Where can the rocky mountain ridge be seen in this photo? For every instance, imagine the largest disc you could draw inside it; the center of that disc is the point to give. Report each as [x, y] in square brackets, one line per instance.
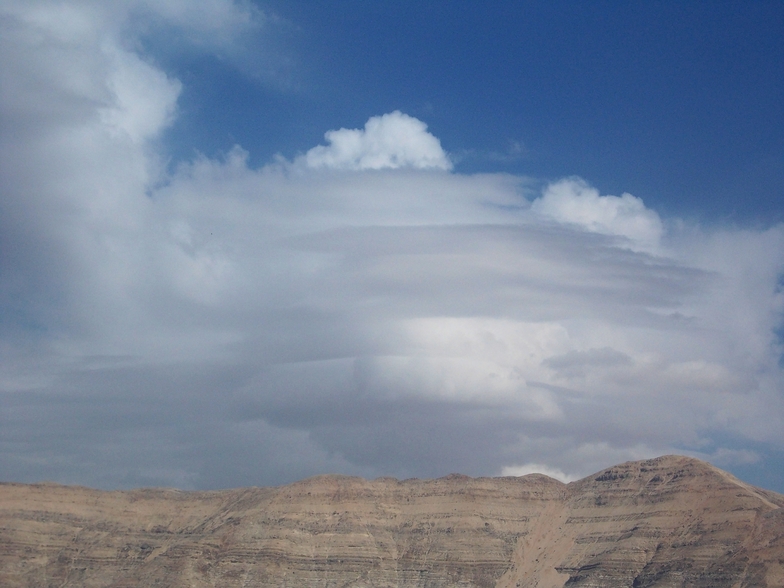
[669, 521]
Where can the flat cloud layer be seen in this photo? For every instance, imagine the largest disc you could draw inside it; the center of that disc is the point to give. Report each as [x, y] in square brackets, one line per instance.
[360, 309]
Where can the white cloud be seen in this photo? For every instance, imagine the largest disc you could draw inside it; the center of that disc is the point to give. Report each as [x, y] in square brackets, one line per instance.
[391, 141]
[537, 468]
[724, 457]
[573, 201]
[390, 319]
[142, 100]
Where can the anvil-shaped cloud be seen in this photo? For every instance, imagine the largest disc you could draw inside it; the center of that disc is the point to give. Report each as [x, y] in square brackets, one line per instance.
[361, 308]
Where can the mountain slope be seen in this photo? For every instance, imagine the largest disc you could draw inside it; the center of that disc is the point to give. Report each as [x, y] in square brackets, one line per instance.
[670, 521]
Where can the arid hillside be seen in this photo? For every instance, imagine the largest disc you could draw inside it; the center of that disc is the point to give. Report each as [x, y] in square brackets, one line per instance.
[665, 522]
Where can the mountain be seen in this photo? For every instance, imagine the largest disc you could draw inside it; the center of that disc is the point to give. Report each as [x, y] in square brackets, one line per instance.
[665, 522]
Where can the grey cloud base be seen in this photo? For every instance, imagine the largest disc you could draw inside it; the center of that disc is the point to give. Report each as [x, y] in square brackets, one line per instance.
[361, 309]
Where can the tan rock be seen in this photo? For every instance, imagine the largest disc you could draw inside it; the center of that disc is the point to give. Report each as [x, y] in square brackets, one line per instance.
[670, 521]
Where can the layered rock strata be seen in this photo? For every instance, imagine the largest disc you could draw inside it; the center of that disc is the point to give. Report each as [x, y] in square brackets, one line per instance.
[665, 522]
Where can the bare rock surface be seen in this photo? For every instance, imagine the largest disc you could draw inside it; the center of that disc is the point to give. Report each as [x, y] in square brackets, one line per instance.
[666, 522]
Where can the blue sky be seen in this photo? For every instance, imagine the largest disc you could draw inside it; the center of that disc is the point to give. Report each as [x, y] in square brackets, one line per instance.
[242, 242]
[673, 101]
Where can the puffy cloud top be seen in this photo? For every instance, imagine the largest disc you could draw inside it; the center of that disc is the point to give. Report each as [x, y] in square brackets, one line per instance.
[573, 201]
[391, 141]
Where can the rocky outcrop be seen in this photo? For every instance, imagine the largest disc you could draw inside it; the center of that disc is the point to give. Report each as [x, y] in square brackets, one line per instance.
[670, 521]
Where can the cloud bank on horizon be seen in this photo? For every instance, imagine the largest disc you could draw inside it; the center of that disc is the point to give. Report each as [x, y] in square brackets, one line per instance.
[360, 308]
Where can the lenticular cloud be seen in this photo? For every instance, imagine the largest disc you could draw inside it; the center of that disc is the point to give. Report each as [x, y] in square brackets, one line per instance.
[361, 309]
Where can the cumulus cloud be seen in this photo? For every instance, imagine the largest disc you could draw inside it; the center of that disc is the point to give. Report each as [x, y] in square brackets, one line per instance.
[391, 141]
[573, 201]
[225, 325]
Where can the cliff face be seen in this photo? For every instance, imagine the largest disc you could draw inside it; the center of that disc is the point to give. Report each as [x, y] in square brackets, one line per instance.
[671, 521]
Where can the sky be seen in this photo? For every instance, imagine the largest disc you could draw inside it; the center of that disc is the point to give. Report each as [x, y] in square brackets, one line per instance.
[243, 243]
